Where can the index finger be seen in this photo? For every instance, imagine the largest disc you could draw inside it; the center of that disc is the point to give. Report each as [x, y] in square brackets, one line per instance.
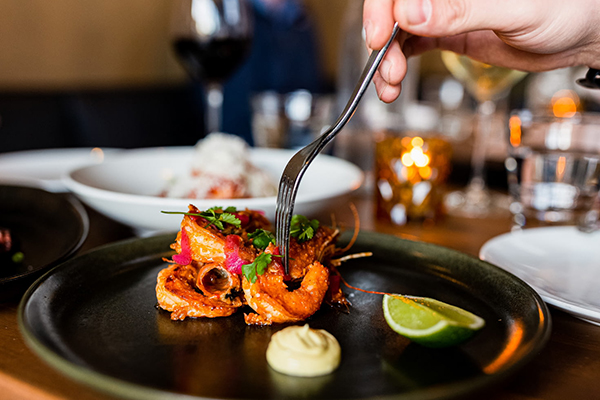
[378, 22]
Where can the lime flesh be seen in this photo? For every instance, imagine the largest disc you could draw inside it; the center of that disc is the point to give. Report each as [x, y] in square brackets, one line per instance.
[429, 322]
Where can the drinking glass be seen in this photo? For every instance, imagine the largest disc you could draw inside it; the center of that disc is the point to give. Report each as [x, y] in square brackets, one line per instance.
[488, 84]
[289, 120]
[553, 169]
[212, 38]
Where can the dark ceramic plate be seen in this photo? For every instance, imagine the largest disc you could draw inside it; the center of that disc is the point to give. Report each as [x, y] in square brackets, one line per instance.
[95, 319]
[47, 227]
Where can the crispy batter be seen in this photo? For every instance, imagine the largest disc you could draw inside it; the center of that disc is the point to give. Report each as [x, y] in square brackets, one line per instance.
[216, 282]
[272, 300]
[207, 243]
[175, 293]
[319, 248]
[211, 283]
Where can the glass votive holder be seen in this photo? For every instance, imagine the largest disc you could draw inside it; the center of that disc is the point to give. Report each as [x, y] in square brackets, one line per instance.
[411, 169]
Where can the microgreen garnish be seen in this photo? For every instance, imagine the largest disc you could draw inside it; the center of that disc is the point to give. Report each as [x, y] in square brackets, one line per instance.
[302, 228]
[215, 216]
[258, 267]
[261, 238]
[18, 257]
[227, 210]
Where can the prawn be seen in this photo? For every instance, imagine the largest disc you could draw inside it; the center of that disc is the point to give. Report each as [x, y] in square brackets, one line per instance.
[274, 302]
[176, 292]
[319, 248]
[199, 241]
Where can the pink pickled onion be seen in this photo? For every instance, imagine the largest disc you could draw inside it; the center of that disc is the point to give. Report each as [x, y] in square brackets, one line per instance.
[244, 219]
[185, 257]
[233, 261]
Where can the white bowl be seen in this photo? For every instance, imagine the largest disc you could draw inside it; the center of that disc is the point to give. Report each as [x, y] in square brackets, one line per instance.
[126, 188]
[44, 168]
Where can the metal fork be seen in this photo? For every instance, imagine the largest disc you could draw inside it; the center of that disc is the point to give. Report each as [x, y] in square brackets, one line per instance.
[298, 164]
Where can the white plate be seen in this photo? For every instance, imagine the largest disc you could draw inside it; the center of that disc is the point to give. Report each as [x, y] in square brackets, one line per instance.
[127, 187]
[44, 168]
[561, 263]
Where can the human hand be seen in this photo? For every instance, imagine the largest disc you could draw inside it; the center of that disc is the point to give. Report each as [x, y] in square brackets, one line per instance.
[529, 35]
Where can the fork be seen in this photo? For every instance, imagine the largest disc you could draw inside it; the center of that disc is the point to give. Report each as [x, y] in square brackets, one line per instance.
[298, 164]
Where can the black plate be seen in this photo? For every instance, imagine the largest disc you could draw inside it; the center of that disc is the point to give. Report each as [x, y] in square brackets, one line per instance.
[49, 227]
[95, 319]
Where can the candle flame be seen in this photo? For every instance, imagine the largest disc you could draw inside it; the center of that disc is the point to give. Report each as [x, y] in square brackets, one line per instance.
[565, 104]
[514, 126]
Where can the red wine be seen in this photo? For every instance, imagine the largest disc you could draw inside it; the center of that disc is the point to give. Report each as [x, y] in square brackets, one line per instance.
[212, 60]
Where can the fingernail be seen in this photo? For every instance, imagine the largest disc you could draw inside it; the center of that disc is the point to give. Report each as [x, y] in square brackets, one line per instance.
[369, 31]
[385, 70]
[418, 11]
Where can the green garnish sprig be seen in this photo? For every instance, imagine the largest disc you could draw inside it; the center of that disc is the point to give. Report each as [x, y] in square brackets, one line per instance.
[215, 216]
[261, 238]
[257, 267]
[18, 257]
[302, 228]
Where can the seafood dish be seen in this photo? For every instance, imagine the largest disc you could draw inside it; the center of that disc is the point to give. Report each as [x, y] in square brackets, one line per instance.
[221, 169]
[227, 260]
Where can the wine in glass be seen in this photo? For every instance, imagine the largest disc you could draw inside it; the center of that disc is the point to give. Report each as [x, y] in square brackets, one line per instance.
[488, 84]
[212, 38]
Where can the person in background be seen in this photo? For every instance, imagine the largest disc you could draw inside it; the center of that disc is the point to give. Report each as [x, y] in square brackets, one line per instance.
[528, 35]
[284, 57]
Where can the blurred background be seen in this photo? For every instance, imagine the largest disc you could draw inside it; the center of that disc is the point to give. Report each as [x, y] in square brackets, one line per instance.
[80, 74]
[105, 73]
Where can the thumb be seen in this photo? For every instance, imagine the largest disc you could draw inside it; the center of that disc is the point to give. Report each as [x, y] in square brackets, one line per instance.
[437, 18]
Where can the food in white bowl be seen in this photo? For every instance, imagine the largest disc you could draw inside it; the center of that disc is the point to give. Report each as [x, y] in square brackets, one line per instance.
[128, 187]
[221, 168]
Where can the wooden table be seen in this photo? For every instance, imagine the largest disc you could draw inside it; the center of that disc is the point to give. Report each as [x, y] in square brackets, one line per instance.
[567, 368]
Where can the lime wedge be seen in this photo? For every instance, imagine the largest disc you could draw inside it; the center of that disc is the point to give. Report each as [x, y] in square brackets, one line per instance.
[429, 322]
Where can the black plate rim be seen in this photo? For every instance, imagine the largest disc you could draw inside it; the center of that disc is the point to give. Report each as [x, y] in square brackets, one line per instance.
[134, 391]
[84, 223]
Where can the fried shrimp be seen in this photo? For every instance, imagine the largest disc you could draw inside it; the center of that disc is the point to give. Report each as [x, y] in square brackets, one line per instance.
[275, 302]
[175, 292]
[200, 241]
[228, 259]
[319, 248]
[216, 282]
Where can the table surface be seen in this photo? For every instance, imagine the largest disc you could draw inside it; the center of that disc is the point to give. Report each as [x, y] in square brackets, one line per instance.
[568, 367]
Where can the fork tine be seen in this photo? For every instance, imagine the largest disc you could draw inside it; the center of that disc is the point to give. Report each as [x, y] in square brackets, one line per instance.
[285, 203]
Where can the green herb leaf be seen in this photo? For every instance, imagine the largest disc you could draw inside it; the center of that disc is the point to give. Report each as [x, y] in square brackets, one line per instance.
[258, 267]
[213, 217]
[262, 238]
[229, 209]
[302, 228]
[18, 257]
[229, 219]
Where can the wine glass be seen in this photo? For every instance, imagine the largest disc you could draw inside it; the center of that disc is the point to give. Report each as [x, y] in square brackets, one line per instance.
[212, 38]
[488, 84]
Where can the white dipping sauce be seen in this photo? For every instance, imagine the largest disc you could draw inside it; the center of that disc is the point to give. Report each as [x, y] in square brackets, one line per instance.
[302, 351]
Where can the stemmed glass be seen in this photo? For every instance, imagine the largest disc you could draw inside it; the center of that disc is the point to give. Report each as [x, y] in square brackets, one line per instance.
[488, 84]
[212, 38]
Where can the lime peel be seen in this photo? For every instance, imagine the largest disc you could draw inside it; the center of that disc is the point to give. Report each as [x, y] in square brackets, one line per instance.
[429, 322]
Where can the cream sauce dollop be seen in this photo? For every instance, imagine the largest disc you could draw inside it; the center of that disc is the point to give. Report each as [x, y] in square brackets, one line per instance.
[302, 351]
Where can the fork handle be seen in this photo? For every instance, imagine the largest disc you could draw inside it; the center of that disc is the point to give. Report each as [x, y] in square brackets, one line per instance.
[310, 152]
[360, 89]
